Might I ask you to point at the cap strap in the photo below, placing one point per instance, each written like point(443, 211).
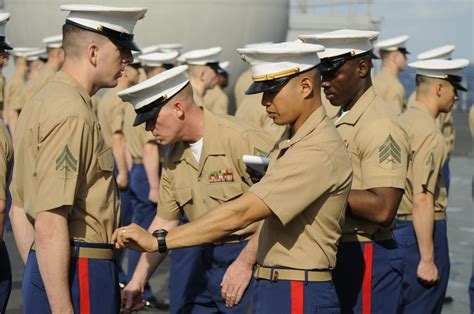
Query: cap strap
point(272, 76)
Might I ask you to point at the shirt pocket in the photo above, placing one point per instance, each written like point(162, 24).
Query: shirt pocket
point(182, 196)
point(106, 161)
point(225, 191)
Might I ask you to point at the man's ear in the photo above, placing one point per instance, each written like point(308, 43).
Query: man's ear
point(93, 53)
point(178, 108)
point(363, 68)
point(306, 85)
point(439, 89)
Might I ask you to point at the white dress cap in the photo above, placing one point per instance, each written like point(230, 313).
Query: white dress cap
point(393, 44)
point(443, 52)
point(342, 42)
point(170, 47)
point(273, 65)
point(150, 49)
point(203, 56)
point(4, 18)
point(116, 23)
point(148, 96)
point(36, 54)
point(55, 41)
point(20, 51)
point(444, 69)
point(157, 59)
point(258, 44)
point(224, 65)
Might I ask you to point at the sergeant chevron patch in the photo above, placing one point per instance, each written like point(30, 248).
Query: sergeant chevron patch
point(390, 154)
point(66, 164)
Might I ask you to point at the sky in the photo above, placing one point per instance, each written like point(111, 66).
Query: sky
point(430, 24)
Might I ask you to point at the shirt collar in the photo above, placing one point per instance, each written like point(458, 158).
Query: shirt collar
point(64, 78)
point(358, 109)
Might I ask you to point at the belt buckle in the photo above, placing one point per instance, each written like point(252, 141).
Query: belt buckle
point(273, 275)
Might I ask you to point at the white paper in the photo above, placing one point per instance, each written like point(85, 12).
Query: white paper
point(256, 163)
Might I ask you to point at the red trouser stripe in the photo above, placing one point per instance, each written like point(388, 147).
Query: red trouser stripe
point(83, 276)
point(297, 297)
point(367, 282)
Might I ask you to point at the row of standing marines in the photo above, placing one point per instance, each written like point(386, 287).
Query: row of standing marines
point(349, 216)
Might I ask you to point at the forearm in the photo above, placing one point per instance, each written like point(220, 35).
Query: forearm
point(119, 151)
point(151, 162)
point(52, 251)
point(249, 253)
point(371, 206)
point(150, 261)
point(12, 116)
point(219, 222)
point(423, 223)
point(23, 231)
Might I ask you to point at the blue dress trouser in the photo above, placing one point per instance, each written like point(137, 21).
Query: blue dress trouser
point(93, 285)
point(5, 277)
point(471, 287)
point(294, 297)
point(144, 212)
point(368, 277)
point(417, 297)
point(199, 285)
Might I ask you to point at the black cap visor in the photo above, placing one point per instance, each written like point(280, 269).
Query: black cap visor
point(404, 50)
point(456, 80)
point(151, 111)
point(216, 67)
point(332, 64)
point(4, 45)
point(266, 86)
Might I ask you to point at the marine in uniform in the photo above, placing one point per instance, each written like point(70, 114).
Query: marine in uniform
point(203, 168)
point(444, 119)
point(6, 158)
point(302, 218)
point(393, 54)
point(421, 217)
point(110, 112)
point(63, 173)
point(203, 70)
point(14, 87)
point(368, 271)
point(215, 99)
point(55, 61)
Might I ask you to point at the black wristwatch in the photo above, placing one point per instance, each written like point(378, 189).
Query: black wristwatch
point(160, 236)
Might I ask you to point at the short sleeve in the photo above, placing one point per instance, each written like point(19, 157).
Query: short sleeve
point(116, 118)
point(168, 207)
point(306, 173)
point(427, 162)
point(5, 162)
point(383, 151)
point(64, 154)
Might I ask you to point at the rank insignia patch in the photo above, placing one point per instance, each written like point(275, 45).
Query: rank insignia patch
point(259, 152)
point(66, 164)
point(225, 175)
point(390, 156)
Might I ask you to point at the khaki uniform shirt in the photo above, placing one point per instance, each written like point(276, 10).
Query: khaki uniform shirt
point(216, 100)
point(331, 111)
point(241, 85)
point(251, 110)
point(388, 87)
point(427, 156)
point(219, 176)
point(14, 92)
point(136, 136)
point(378, 147)
point(34, 85)
point(61, 159)
point(6, 157)
point(445, 124)
point(2, 94)
point(306, 187)
point(110, 112)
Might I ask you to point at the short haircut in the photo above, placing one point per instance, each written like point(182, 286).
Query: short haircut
point(75, 39)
